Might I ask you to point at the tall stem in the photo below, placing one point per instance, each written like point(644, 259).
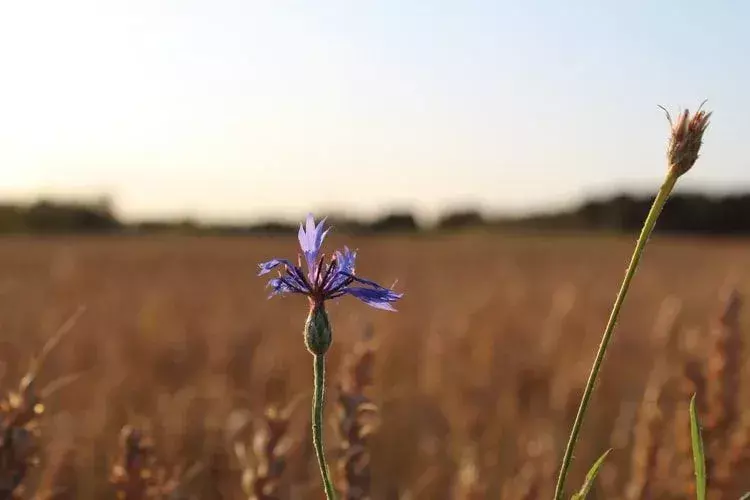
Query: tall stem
point(317, 422)
point(648, 227)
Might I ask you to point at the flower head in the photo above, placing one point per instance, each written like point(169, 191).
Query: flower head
point(686, 139)
point(325, 280)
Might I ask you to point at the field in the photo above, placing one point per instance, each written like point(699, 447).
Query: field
point(476, 378)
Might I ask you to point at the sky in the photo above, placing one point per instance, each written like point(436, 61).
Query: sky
point(227, 110)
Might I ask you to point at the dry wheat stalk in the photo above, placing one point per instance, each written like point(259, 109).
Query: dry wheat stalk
point(356, 420)
point(666, 342)
point(20, 413)
point(716, 384)
point(137, 476)
point(722, 428)
point(648, 435)
point(736, 456)
point(469, 484)
point(60, 478)
point(692, 381)
point(723, 376)
point(19, 435)
point(524, 485)
point(133, 474)
point(264, 462)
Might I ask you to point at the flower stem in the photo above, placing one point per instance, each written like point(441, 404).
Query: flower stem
point(317, 422)
point(648, 227)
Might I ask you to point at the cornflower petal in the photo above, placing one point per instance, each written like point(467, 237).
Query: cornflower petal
point(379, 298)
point(345, 260)
point(367, 282)
point(280, 287)
point(310, 239)
point(267, 267)
point(344, 267)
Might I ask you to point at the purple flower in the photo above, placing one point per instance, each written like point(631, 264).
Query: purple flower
point(324, 281)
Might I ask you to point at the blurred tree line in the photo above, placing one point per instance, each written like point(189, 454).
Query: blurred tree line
point(685, 213)
point(45, 216)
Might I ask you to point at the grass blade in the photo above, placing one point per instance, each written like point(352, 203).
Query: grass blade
point(699, 457)
point(591, 477)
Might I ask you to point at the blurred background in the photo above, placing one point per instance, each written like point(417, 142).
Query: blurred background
point(494, 159)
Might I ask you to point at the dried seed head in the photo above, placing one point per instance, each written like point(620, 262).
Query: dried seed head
point(685, 139)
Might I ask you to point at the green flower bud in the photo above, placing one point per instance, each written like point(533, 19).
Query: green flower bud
point(318, 334)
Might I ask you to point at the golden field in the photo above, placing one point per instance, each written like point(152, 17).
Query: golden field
point(476, 378)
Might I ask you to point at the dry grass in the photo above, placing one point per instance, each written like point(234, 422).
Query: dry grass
point(476, 379)
point(357, 419)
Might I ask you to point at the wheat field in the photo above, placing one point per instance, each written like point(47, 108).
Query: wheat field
point(476, 379)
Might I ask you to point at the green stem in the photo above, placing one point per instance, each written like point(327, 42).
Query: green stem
point(319, 396)
point(648, 227)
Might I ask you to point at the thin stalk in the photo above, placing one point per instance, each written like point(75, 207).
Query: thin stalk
point(648, 227)
point(317, 423)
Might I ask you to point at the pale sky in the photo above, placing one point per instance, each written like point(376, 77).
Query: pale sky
point(236, 109)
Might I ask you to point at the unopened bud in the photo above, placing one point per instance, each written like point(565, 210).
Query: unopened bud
point(318, 335)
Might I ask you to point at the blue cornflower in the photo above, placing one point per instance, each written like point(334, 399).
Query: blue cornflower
point(325, 281)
